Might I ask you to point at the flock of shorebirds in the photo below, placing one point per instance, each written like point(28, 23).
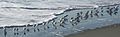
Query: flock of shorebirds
point(62, 22)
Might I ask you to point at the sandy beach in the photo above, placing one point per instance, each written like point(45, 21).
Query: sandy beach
point(109, 31)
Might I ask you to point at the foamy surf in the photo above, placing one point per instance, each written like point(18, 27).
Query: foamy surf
point(15, 14)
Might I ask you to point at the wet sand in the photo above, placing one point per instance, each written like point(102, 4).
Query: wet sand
point(109, 31)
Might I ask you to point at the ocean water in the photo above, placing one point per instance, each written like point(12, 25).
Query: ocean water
point(21, 12)
point(55, 18)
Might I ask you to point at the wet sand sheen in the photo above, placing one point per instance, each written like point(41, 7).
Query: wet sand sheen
point(109, 31)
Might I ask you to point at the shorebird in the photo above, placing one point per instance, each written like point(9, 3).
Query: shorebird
point(71, 21)
point(110, 13)
point(5, 32)
point(24, 33)
point(91, 14)
point(38, 29)
point(34, 25)
point(86, 15)
point(24, 28)
point(62, 25)
point(65, 16)
point(27, 30)
point(34, 30)
point(54, 26)
point(77, 19)
point(81, 13)
point(115, 13)
point(108, 7)
point(78, 14)
point(16, 29)
point(102, 15)
point(48, 27)
point(116, 8)
point(16, 33)
point(102, 10)
point(96, 14)
point(97, 11)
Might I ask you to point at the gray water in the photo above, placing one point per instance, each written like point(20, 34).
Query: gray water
point(65, 23)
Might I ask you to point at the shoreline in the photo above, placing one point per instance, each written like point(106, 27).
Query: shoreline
point(108, 31)
point(69, 22)
point(69, 9)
